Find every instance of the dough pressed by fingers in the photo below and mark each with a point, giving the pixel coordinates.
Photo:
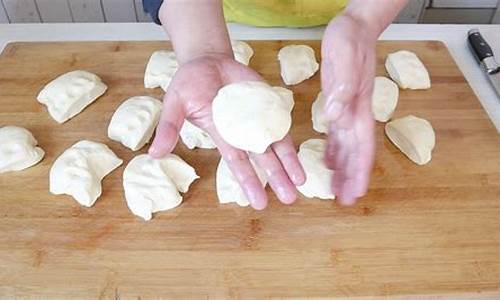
(318, 176)
(134, 121)
(297, 63)
(242, 52)
(414, 136)
(78, 171)
(406, 69)
(385, 98)
(153, 185)
(18, 149)
(70, 93)
(228, 188)
(320, 123)
(252, 115)
(192, 136)
(160, 69)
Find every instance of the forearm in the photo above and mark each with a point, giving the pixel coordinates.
(195, 28)
(375, 14)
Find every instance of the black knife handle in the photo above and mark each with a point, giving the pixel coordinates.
(483, 51)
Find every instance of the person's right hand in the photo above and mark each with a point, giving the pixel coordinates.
(190, 95)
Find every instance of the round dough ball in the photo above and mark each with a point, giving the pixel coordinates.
(252, 115)
(318, 176)
(385, 98)
(18, 149)
(414, 136)
(297, 63)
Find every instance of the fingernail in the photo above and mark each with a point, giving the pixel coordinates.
(348, 197)
(298, 179)
(257, 202)
(285, 196)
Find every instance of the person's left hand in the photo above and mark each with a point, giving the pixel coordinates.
(347, 77)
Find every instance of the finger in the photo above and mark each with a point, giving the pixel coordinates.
(239, 164)
(276, 176)
(286, 153)
(365, 154)
(167, 131)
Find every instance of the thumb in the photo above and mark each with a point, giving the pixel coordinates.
(167, 132)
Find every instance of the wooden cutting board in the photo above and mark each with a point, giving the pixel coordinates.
(421, 230)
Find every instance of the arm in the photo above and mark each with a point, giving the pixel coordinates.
(199, 30)
(348, 71)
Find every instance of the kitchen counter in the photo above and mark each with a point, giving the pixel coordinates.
(454, 36)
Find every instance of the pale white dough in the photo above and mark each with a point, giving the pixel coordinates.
(134, 121)
(70, 93)
(242, 52)
(320, 123)
(153, 185)
(228, 188)
(252, 115)
(413, 136)
(318, 176)
(385, 98)
(78, 171)
(193, 136)
(160, 69)
(297, 63)
(406, 69)
(18, 149)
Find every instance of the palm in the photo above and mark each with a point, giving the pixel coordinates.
(190, 96)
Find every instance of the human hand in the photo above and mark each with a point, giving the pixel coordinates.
(190, 95)
(347, 77)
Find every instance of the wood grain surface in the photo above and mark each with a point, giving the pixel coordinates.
(421, 230)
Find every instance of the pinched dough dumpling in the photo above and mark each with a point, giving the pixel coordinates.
(160, 69)
(413, 136)
(242, 52)
(153, 185)
(297, 63)
(252, 115)
(406, 69)
(193, 136)
(228, 188)
(134, 121)
(385, 98)
(70, 93)
(318, 176)
(320, 123)
(78, 171)
(18, 149)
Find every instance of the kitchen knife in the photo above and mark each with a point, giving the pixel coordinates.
(482, 51)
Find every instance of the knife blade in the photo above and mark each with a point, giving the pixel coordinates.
(483, 53)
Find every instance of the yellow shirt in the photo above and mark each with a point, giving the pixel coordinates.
(289, 13)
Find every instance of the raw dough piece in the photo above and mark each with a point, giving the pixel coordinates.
(298, 63)
(134, 121)
(18, 149)
(78, 171)
(70, 93)
(413, 136)
(160, 69)
(153, 185)
(252, 115)
(318, 176)
(242, 52)
(320, 123)
(406, 69)
(228, 188)
(193, 136)
(385, 98)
